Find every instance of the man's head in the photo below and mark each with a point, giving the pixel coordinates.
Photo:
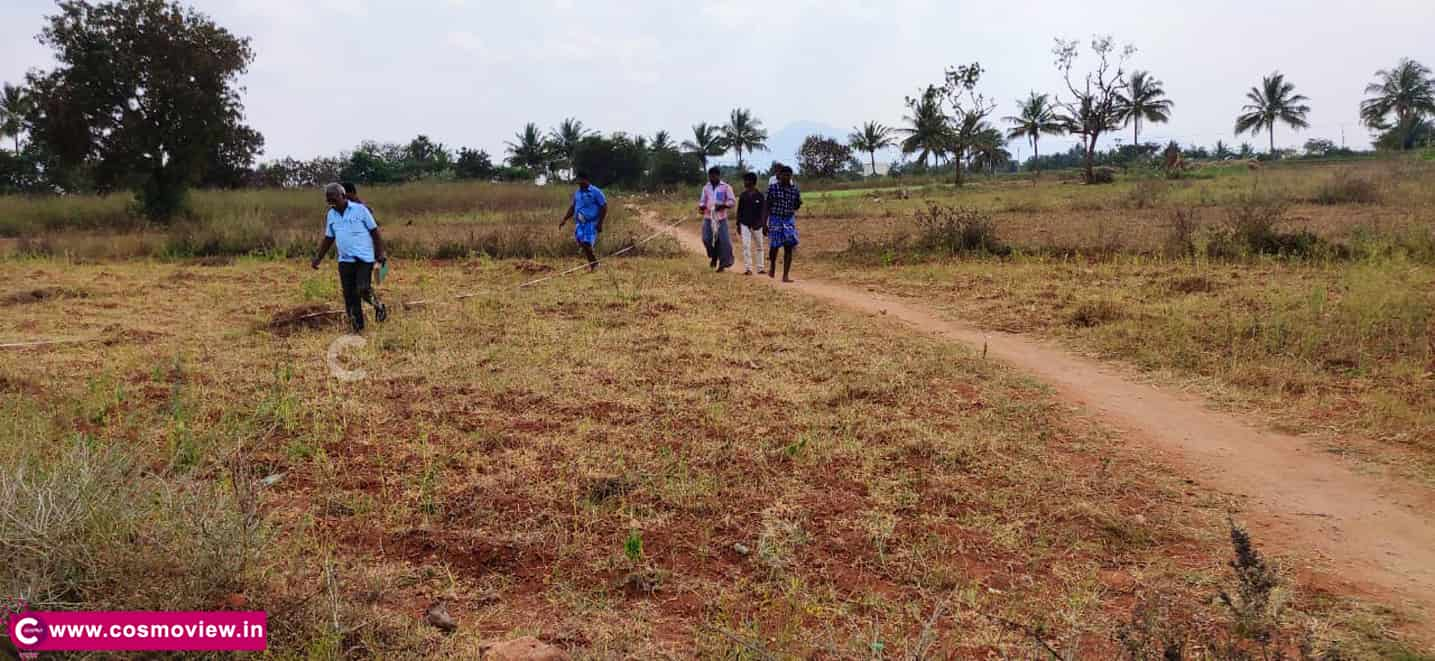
(784, 175)
(334, 195)
(714, 175)
(581, 177)
(350, 190)
(749, 180)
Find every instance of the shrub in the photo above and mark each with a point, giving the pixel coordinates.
(1181, 241)
(1253, 228)
(1146, 194)
(956, 230)
(1102, 176)
(1344, 188)
(1095, 313)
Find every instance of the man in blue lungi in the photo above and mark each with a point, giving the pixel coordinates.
(588, 211)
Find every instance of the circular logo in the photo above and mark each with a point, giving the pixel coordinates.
(337, 369)
(26, 631)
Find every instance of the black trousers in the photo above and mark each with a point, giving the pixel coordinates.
(357, 280)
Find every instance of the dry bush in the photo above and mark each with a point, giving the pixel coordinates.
(1145, 194)
(1346, 188)
(1095, 313)
(1181, 241)
(88, 528)
(957, 230)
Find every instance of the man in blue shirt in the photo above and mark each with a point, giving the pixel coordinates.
(352, 228)
(588, 211)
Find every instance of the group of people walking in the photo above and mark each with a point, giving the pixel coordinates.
(764, 219)
(770, 216)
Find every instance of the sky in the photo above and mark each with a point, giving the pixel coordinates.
(329, 73)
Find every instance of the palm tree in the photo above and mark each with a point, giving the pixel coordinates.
(531, 150)
(564, 141)
(1036, 115)
(744, 132)
(869, 138)
(706, 142)
(1275, 100)
(662, 141)
(1408, 91)
(14, 105)
(1144, 99)
(928, 132)
(989, 149)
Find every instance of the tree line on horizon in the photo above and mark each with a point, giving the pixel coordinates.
(145, 98)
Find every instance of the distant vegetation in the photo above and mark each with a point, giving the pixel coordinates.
(168, 118)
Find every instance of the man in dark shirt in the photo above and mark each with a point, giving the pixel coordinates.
(751, 224)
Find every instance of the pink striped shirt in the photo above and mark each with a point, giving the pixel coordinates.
(710, 197)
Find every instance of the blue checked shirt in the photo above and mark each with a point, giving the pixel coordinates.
(783, 200)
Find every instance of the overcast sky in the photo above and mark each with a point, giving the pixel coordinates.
(329, 73)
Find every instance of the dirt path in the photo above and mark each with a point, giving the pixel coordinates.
(1374, 534)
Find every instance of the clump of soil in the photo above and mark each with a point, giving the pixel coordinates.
(116, 334)
(212, 260)
(1195, 284)
(530, 266)
(304, 317)
(41, 294)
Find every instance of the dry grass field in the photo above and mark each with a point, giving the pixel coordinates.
(654, 462)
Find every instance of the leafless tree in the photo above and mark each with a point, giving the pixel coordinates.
(1095, 104)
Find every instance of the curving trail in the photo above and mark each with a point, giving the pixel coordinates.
(1375, 535)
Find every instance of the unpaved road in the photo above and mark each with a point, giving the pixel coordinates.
(1375, 534)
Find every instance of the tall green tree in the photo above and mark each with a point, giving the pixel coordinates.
(744, 132)
(969, 111)
(14, 107)
(564, 141)
(1407, 92)
(928, 131)
(707, 142)
(662, 141)
(1035, 116)
(988, 147)
(1143, 100)
(143, 92)
(529, 149)
(1273, 101)
(870, 137)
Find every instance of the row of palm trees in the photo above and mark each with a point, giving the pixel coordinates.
(553, 152)
(1406, 92)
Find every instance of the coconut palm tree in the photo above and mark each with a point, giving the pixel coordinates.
(662, 141)
(564, 142)
(869, 138)
(1144, 99)
(744, 133)
(928, 132)
(707, 142)
(530, 149)
(1036, 115)
(988, 148)
(1407, 91)
(1275, 100)
(14, 105)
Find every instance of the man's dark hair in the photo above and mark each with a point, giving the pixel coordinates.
(714, 170)
(349, 188)
(786, 169)
(750, 177)
(581, 174)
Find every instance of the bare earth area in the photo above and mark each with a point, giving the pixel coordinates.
(1372, 534)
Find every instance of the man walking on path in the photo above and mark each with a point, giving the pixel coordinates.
(588, 211)
(717, 197)
(751, 224)
(783, 201)
(352, 228)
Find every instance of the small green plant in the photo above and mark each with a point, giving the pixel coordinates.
(633, 546)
